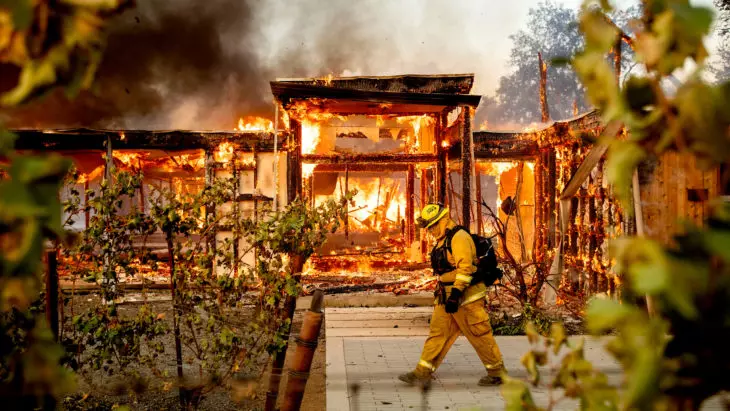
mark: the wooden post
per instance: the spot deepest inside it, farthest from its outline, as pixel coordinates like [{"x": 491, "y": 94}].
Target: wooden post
[
  {"x": 176, "y": 319},
  {"x": 480, "y": 223},
  {"x": 302, "y": 361},
  {"x": 410, "y": 188},
  {"x": 210, "y": 211},
  {"x": 86, "y": 203},
  {"x": 141, "y": 188},
  {"x": 591, "y": 205},
  {"x": 543, "y": 90},
  {"x": 296, "y": 264},
  {"x": 424, "y": 201},
  {"x": 466, "y": 165},
  {"x": 294, "y": 167},
  {"x": 550, "y": 191},
  {"x": 236, "y": 208},
  {"x": 109, "y": 279},
  {"x": 442, "y": 156},
  {"x": 539, "y": 244},
  {"x": 52, "y": 293}
]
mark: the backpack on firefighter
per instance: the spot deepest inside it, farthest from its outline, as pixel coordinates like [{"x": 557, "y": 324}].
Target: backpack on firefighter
[{"x": 487, "y": 270}]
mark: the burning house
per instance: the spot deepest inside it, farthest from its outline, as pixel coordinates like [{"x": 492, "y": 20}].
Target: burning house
[{"x": 401, "y": 142}]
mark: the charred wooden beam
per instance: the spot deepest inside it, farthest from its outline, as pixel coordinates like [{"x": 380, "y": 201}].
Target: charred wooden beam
[
  {"x": 294, "y": 159},
  {"x": 410, "y": 188},
  {"x": 361, "y": 167},
  {"x": 286, "y": 92},
  {"x": 409, "y": 83},
  {"x": 89, "y": 139},
  {"x": 539, "y": 243},
  {"x": 466, "y": 169},
  {"x": 480, "y": 224},
  {"x": 550, "y": 192},
  {"x": 442, "y": 156},
  {"x": 543, "y": 90},
  {"x": 367, "y": 158}
]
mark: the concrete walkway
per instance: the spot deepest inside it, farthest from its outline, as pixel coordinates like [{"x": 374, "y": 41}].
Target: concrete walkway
[{"x": 367, "y": 348}]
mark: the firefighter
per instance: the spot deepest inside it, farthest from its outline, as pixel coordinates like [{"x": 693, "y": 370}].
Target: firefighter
[{"x": 460, "y": 307}]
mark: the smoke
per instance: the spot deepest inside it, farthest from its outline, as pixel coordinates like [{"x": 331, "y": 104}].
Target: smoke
[{"x": 189, "y": 64}]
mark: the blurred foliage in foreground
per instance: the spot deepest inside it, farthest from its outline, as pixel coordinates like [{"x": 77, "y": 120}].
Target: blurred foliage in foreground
[
  {"x": 52, "y": 43},
  {"x": 677, "y": 358}
]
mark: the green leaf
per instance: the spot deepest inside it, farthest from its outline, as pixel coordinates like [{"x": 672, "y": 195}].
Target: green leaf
[
  {"x": 695, "y": 21},
  {"x": 529, "y": 361},
  {"x": 718, "y": 243},
  {"x": 623, "y": 158},
  {"x": 7, "y": 141},
  {"x": 600, "y": 81},
  {"x": 603, "y": 315},
  {"x": 600, "y": 35},
  {"x": 557, "y": 333},
  {"x": 532, "y": 335},
  {"x": 22, "y": 12},
  {"x": 517, "y": 396}
]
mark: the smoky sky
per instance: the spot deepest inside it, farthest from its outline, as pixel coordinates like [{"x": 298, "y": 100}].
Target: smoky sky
[{"x": 201, "y": 64}]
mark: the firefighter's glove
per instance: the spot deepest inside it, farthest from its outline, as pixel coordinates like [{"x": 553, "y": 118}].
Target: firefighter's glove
[{"x": 452, "y": 303}]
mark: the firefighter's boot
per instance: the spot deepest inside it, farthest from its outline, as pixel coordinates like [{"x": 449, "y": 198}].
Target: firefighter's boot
[
  {"x": 412, "y": 378},
  {"x": 490, "y": 381}
]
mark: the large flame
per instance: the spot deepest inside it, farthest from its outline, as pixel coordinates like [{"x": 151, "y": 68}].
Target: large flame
[
  {"x": 253, "y": 123},
  {"x": 224, "y": 153},
  {"x": 417, "y": 123},
  {"x": 496, "y": 169},
  {"x": 378, "y": 205}
]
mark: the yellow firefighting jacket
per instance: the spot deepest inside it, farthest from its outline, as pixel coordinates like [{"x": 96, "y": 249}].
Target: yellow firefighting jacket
[{"x": 463, "y": 256}]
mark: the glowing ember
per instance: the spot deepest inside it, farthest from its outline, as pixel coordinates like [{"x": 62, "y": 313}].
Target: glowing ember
[
  {"x": 186, "y": 161},
  {"x": 252, "y": 123},
  {"x": 129, "y": 160},
  {"x": 224, "y": 154},
  {"x": 445, "y": 144}
]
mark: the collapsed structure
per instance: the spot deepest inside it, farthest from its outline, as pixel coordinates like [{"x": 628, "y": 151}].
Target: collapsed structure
[{"x": 400, "y": 141}]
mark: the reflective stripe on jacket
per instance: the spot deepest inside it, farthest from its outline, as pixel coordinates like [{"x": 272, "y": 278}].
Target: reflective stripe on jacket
[{"x": 463, "y": 256}]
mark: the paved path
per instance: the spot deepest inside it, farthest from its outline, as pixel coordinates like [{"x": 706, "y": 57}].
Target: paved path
[{"x": 367, "y": 348}]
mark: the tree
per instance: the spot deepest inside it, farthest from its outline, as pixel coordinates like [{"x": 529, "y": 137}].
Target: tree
[
  {"x": 720, "y": 66},
  {"x": 552, "y": 29}
]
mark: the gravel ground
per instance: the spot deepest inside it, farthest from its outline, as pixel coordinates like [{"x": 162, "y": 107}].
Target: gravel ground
[{"x": 101, "y": 391}]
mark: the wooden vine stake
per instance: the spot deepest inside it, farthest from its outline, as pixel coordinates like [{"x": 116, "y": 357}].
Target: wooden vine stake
[{"x": 302, "y": 361}]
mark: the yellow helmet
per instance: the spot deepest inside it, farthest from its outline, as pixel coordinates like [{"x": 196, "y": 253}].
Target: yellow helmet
[{"x": 431, "y": 214}]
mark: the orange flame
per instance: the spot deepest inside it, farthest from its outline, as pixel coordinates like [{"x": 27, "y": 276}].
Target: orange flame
[
  {"x": 378, "y": 205},
  {"x": 224, "y": 154},
  {"x": 130, "y": 160},
  {"x": 253, "y": 123},
  {"x": 416, "y": 122},
  {"x": 93, "y": 175}
]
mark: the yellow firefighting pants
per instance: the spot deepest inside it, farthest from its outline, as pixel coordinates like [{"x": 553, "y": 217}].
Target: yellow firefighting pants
[{"x": 471, "y": 320}]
